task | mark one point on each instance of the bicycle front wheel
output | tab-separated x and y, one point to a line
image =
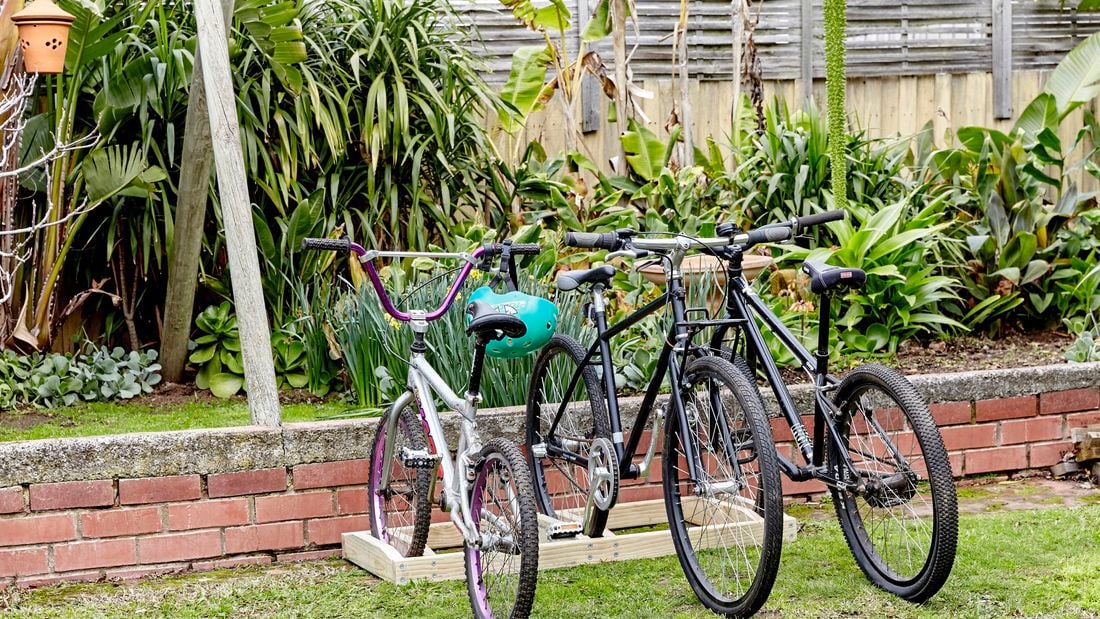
898	507
727	522
502	568
400	505
558	457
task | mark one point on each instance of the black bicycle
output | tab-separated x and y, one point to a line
874	444
719	472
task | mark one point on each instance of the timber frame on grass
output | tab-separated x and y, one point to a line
218	135
444	559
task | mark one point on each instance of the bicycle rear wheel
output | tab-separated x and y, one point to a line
899	514
727	526
562	485
400	506
502	570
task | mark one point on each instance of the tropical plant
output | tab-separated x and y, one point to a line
217	351
903	296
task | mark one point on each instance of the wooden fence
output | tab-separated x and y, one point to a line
884	106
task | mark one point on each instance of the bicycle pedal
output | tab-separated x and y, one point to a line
418	459
563	530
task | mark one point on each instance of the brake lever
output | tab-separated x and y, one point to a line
627	253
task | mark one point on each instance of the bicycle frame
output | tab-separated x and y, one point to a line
677	341
423	382
743	307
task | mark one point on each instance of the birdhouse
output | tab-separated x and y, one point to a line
43	36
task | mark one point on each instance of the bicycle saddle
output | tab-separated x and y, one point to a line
824	277
571	280
491	324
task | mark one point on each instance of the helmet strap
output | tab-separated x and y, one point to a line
507	272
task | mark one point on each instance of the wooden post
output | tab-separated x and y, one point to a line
622	93
183	268
806	51
735	110
684	82
240	237
1002	59
591	91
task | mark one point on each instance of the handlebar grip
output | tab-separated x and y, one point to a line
769	235
820	218
526	249
343	245
592	240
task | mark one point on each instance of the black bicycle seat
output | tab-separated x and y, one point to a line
571	280
491	324
824	277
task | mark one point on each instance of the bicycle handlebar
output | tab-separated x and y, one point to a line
611	241
528	249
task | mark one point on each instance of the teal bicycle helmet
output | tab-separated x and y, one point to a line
538	314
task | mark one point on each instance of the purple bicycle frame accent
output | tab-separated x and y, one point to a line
387	304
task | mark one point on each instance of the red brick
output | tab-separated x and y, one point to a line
1031	430
11	500
264	537
1072	401
309	555
134	573
1006	408
180	546
24	562
246	482
1049	454
46	580
640	493
70	494
98	553
37	530
208	514
996	459
328	531
159	489
294	506
352	501
810	486
327	474
220	564
952	413
116	522
969	437
1082	420
956	459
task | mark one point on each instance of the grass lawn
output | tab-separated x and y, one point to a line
1040	563
140	416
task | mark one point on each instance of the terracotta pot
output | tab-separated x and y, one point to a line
44	36
697	266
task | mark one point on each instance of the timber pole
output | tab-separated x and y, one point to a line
183	269
240	236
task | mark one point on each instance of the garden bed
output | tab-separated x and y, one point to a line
120	506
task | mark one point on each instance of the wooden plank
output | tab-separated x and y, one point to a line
448	563
1002	59
941	120
240	237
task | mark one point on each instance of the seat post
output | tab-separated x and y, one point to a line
822	355
479	363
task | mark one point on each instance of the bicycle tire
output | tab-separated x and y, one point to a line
501	493
893	494
561	486
727	581
400	507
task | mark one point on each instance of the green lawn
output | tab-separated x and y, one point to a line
1039	563
119	418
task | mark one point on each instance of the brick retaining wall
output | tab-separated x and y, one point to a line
122	507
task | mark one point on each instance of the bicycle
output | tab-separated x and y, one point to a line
487	486
875	443
720	479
